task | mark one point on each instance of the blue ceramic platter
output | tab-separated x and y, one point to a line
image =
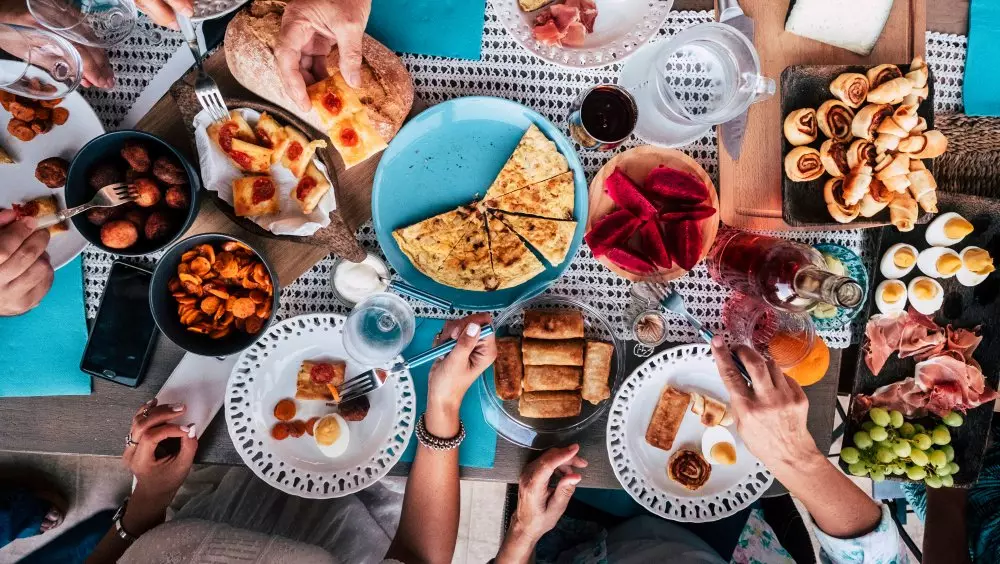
448	156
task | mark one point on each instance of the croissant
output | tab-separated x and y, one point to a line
920	127
881	74
834	119
926	145
903	212
833	194
803	164
834	158
923	187
877	198
890	92
867	120
886	142
851	88
898	183
856	184
800	127
902	120
889	166
918	72
861	152
917	95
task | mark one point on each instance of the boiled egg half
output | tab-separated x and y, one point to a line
947	229
332	435
977	264
939	262
718	445
890	296
898	261
926	295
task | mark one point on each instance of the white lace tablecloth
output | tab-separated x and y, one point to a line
508	71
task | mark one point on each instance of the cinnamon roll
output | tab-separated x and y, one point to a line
856	184
800	127
903	212
834	119
840	210
881	74
923	187
877	198
834	158
851	88
689	469
868	119
889	166
918	73
890	92
861	152
926	145
803	164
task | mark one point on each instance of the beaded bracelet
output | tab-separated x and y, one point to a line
437	443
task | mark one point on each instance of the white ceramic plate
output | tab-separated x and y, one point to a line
642	468
265	374
621	27
19	182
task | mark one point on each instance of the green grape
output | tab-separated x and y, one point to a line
953	466
899	469
943	470
949	451
895	419
907	430
885	455
938	458
867	425
947	481
916	473
921	441
880	416
879	434
953	419
876	476
918	457
933	482
858	469
940	435
863	440
918	428
850	455
901	448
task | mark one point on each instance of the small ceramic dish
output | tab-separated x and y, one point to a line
853	268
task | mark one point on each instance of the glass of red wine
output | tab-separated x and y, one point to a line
603	117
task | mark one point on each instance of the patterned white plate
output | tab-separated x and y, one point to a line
265	373
642	468
621	27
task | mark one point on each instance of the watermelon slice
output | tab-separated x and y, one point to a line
683	241
626	194
630	261
611	231
652	243
665	185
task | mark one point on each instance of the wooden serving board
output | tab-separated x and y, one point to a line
750	189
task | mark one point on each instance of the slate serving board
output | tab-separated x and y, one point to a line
808	86
963	307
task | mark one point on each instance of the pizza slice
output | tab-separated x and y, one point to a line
513	261
550	237
534	159
269	132
255	195
310	189
319	380
296	152
355	139
40	207
468	266
249	157
428	243
552	198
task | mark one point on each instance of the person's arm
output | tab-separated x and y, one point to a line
428	525
949	541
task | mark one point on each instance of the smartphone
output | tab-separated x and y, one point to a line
124	332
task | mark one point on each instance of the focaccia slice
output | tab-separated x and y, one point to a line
310	189
333	99
269	132
243	129
550	237
553	198
513	262
355	139
296	152
428	243
315	379
236	140
534	159
468	266
255	195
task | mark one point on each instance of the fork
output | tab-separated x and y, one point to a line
205	89
108	197
367	382
673	302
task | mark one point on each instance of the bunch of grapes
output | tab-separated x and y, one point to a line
889	445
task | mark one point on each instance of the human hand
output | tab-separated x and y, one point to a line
539	506
309	30
450	377
770	417
162	11
25	272
158	479
97	69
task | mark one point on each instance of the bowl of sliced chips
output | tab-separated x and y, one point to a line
213	294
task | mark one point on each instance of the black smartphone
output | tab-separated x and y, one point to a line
124	332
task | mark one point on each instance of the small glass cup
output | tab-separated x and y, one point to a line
38	64
98	23
603	117
378	329
784	337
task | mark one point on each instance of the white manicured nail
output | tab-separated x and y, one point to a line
191	430
472	329
177	407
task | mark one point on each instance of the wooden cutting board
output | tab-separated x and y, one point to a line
750	189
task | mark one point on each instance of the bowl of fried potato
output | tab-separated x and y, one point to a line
213	294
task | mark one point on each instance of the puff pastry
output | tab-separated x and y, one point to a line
851	88
856	185
886	142
803	164
881	74
918	73
596	370
508	370
800	127
840	210
889	166
539	324
920	127
923	187
667	417
834	158
926	145
902	120
917	95
560	353
549	405
890	92
903	212
552	378
861	152
897	184
834	119
868	118
877	198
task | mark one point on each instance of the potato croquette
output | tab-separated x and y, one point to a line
136	216
119	234
137	156
22	110
21	130
158	226
168	171
104	174
147	193
60	115
100	216
177	197
52	172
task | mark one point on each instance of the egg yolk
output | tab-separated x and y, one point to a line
723	453
948	264
892	293
327	431
904	257
957	227
979	261
924	290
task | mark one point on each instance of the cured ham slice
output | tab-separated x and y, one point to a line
575	35
565	24
588	12
907	333
941	384
547	34
564	15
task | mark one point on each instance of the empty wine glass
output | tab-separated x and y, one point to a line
98	23
37	64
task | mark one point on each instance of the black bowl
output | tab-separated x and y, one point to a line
107	149
164	305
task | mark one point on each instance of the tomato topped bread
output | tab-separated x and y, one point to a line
255	195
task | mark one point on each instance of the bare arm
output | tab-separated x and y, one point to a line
949	543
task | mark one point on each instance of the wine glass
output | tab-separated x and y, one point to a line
38	64
378	329
98	23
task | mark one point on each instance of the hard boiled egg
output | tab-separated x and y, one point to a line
718	445
926	295
332	435
898	261
939	262
977	264
947	229
890	296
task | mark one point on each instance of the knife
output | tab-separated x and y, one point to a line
731	14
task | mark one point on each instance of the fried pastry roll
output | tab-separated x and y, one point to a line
834	158
834	119
803	164
903	212
800	127
851	88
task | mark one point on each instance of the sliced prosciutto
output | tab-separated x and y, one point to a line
907	332
565	24
548	33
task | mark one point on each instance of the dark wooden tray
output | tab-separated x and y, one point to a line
963	307
808	86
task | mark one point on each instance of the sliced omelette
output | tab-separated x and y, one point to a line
468	266
513	262
428	243
552	238
553	198
534	159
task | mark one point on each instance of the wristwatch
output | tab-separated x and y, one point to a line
119	528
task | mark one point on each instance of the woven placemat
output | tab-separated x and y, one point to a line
971	165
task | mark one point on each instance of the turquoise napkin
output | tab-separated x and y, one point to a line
443	28
982	83
480	445
40	351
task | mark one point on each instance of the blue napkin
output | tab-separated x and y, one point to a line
981	86
40	351
480	445
443	28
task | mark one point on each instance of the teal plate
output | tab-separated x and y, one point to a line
447	156
856	270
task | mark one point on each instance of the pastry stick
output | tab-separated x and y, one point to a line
507	369
923	187
549	405
903	212
540	324
596	369
667	417
552	378
539	352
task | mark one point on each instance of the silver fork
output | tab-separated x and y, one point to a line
108	197
205	89
367	382
672	301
